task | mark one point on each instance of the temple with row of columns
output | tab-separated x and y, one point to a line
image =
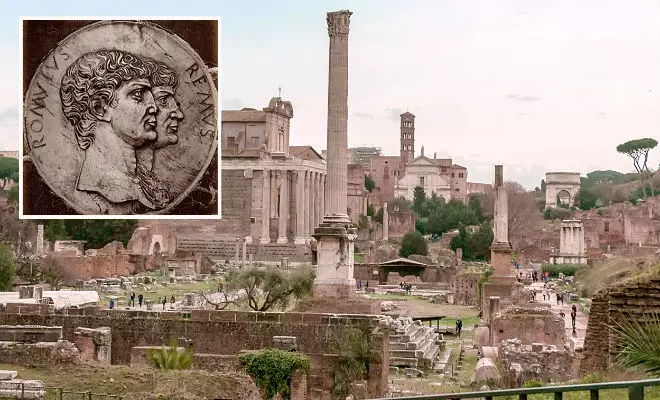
296	204
272	192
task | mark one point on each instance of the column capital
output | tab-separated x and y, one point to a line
338	22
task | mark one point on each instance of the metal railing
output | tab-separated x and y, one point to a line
635	391
33	390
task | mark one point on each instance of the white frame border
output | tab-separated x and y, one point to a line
21	127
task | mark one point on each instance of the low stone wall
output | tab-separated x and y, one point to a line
225	333
466	288
30	333
43	353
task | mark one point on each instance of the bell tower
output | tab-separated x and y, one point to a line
407	138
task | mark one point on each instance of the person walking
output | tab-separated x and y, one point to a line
140	298
132	301
164	302
172	301
459	326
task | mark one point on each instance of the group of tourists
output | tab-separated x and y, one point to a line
358	284
406	286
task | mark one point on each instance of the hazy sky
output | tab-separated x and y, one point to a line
535	85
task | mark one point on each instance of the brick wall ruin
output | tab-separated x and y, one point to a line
627	301
222	333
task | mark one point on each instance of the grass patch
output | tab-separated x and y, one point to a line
378	296
468	322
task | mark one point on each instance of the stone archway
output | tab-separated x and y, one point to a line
564	198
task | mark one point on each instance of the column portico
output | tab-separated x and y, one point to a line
310	204
305	206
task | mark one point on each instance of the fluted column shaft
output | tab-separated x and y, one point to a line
317	203
265	208
310	203
338	27
300	213
305	205
284	206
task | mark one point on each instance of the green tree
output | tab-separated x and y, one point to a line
638	150
370	210
97	232
7	268
586	199
413	243
369	183
419	198
269	287
480	241
8	171
474	203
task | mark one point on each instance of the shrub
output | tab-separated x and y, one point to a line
413	243
594	377
533	383
272	369
172	357
566	269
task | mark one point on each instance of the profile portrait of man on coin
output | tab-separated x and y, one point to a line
120	117
106	96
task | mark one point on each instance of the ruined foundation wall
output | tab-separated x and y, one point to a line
88	267
629	301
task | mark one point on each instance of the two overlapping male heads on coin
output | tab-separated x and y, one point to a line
123	108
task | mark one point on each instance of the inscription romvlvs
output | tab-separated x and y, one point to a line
121	118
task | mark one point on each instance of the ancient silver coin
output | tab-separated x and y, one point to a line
121	118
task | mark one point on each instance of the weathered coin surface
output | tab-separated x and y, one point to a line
121	118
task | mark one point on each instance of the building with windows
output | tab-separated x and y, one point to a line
397	176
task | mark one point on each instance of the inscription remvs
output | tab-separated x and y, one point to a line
207	108
109	109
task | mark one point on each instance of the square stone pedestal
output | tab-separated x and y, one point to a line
500	259
335	246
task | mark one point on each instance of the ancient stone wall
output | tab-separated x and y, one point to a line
466	288
628	301
236	204
538	362
88	267
400	223
221	332
222	249
529	324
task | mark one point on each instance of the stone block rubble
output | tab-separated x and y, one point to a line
10	387
411	344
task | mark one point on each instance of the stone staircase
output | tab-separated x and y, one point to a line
412	344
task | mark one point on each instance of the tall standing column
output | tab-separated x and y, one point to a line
265	208
336	235
305	205
323	213
284	207
299	237
386	223
317	203
337	162
310	204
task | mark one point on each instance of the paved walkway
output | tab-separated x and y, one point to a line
581	320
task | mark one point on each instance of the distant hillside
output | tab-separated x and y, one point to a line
596	178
